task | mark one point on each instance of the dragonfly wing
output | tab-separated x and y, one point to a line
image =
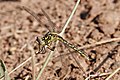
52	25
71	53
34	15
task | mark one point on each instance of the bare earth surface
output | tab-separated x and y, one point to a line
94	21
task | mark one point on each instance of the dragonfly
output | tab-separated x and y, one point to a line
51	36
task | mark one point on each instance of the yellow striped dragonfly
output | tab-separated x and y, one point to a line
52	36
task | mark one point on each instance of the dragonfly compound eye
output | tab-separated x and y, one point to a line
49	37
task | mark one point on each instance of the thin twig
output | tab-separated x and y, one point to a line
20	65
97	75
71	15
113	73
25	45
100	42
52	52
33	61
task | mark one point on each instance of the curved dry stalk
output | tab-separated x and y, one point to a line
100	42
97	75
20	65
118	69
63	30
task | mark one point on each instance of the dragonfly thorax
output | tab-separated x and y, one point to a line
48	38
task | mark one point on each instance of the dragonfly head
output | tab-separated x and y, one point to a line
40	44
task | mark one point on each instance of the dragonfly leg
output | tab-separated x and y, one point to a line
42	50
51	48
38	42
38	48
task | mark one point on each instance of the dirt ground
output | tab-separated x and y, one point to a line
94	21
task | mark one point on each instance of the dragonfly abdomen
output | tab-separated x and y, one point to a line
73	47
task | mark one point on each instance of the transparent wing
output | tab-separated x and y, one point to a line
33	14
71	53
38	18
50	21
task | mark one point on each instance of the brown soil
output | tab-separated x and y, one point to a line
94	21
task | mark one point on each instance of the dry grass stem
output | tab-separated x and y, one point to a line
100	43
20	65
112	74
97	75
33	60
63	30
